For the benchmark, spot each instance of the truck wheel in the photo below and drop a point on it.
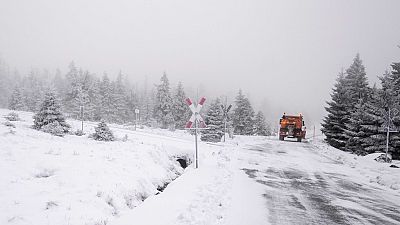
(299, 139)
(281, 137)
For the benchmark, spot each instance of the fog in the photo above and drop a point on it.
(285, 55)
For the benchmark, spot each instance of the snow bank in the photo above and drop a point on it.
(75, 180)
(373, 171)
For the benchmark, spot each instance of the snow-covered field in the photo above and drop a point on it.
(75, 180)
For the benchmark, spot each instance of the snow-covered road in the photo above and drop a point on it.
(302, 186)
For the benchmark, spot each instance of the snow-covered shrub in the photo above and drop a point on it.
(103, 133)
(50, 114)
(382, 158)
(12, 116)
(79, 132)
(125, 138)
(54, 128)
(9, 124)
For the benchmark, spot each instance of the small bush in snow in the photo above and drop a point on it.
(103, 133)
(79, 132)
(125, 138)
(12, 116)
(54, 128)
(382, 158)
(9, 124)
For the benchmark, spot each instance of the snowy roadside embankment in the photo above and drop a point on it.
(218, 192)
(375, 172)
(47, 179)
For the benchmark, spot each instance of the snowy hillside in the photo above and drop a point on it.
(47, 179)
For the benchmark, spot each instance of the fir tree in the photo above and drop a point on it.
(214, 120)
(390, 97)
(375, 140)
(73, 90)
(356, 131)
(180, 109)
(163, 103)
(243, 115)
(260, 125)
(106, 90)
(334, 124)
(103, 133)
(356, 83)
(16, 100)
(120, 100)
(49, 118)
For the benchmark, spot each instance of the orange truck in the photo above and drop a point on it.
(292, 127)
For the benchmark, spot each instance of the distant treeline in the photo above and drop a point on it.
(115, 101)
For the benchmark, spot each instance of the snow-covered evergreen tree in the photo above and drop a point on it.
(106, 95)
(163, 103)
(180, 109)
(49, 118)
(72, 92)
(391, 100)
(103, 133)
(357, 129)
(95, 101)
(16, 100)
(33, 92)
(243, 115)
(375, 140)
(215, 123)
(261, 127)
(121, 100)
(356, 83)
(334, 124)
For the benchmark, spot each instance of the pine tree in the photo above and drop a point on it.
(120, 100)
(260, 125)
(390, 96)
(73, 89)
(106, 91)
(215, 124)
(49, 118)
(103, 133)
(163, 103)
(356, 83)
(92, 107)
(355, 129)
(334, 124)
(243, 115)
(180, 109)
(375, 140)
(16, 100)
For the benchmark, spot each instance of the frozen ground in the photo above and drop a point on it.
(248, 180)
(46, 179)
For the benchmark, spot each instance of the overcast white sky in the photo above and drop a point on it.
(284, 54)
